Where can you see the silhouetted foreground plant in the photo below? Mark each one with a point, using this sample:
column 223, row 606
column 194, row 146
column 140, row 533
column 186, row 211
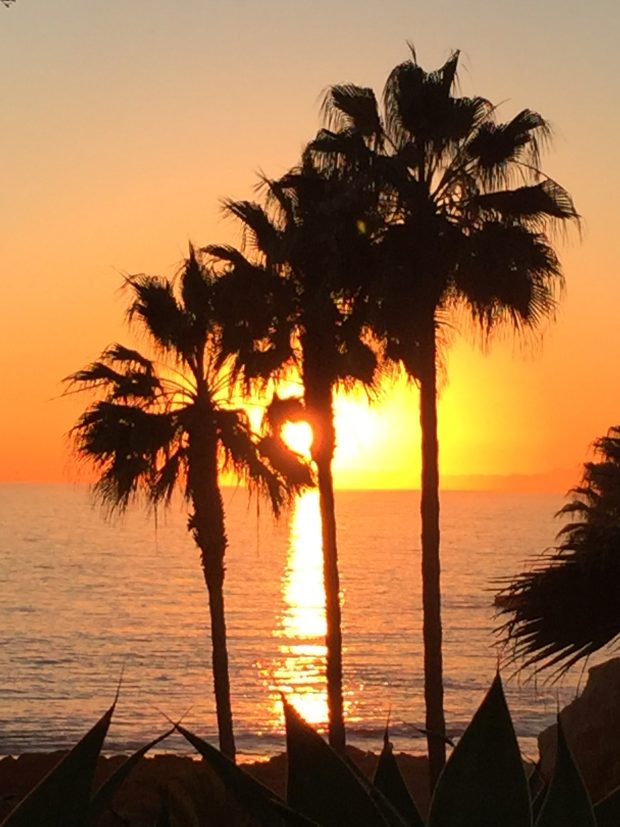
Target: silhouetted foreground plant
column 64, row 797
column 483, row 784
column 569, row 607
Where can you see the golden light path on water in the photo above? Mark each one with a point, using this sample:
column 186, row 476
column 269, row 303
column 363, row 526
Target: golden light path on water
column 299, row 671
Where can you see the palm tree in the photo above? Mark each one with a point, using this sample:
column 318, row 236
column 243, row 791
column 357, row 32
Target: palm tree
column 568, row 606
column 467, row 213
column 296, row 306
column 161, row 427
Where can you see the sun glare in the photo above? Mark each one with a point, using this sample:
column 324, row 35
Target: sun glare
column 299, row 671
column 298, row 436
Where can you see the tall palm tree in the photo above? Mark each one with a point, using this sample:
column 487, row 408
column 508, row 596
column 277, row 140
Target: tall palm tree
column 159, row 427
column 296, row 305
column 568, row 606
column 467, row 213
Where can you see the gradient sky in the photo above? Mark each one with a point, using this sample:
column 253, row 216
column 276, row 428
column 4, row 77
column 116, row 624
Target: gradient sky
column 123, row 124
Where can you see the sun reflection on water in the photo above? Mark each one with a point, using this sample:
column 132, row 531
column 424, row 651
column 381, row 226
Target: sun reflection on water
column 299, row 671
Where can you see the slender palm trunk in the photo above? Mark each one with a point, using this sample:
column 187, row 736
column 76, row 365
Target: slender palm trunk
column 431, row 588
column 323, row 453
column 331, row 579
column 221, row 682
column 207, row 524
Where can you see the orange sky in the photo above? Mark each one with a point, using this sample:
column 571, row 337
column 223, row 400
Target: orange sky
column 124, row 124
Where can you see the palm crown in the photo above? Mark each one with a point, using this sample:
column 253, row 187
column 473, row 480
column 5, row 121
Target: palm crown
column 159, row 425
column 466, row 207
column 138, row 435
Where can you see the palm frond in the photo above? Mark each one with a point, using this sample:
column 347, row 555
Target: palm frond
column 568, row 606
column 135, row 380
column 260, row 235
column 508, row 273
column 347, row 106
column 537, row 204
column 341, row 151
column 276, row 474
column 497, row 148
column 282, row 410
column 156, row 307
column 126, row 444
column 226, row 253
column 196, row 288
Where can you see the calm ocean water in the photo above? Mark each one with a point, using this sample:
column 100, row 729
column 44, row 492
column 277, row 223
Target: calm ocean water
column 83, row 599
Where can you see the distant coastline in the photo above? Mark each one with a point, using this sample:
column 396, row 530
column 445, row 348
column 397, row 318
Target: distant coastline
column 548, row 482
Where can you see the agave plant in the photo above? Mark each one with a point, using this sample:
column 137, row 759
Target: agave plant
column 483, row 784
column 65, row 796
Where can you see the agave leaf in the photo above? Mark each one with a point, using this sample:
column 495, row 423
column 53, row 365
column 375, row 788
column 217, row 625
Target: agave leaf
column 538, row 801
column 106, row 792
column 61, row 798
column 484, row 782
column 259, row 801
column 320, row 784
column 567, row 803
column 164, row 818
column 388, row 811
column 389, row 781
column 607, row 810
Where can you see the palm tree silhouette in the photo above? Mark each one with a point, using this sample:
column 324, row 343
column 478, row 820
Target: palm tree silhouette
column 466, row 212
column 296, row 306
column 158, row 428
column 568, row 606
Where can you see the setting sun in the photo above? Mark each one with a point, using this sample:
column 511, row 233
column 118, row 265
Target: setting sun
column 298, row 436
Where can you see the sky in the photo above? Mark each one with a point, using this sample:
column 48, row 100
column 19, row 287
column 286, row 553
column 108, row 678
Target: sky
column 123, row 125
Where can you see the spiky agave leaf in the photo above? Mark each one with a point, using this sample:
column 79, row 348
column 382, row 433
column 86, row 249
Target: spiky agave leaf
column 104, row 795
column 607, row 810
column 389, row 781
column 483, row 782
column 62, row 797
column 260, row 802
column 320, row 783
column 567, row 803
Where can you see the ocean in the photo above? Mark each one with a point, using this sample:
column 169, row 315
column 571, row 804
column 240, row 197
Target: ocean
column 86, row 599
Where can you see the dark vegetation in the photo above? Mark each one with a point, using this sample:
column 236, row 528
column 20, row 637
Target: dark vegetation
column 162, row 426
column 484, row 783
column 465, row 213
column 568, row 606
column 401, row 219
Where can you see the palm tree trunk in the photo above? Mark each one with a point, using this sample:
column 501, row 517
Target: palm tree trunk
column 331, row 579
column 208, row 528
column 319, row 402
column 431, row 588
column 221, row 681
